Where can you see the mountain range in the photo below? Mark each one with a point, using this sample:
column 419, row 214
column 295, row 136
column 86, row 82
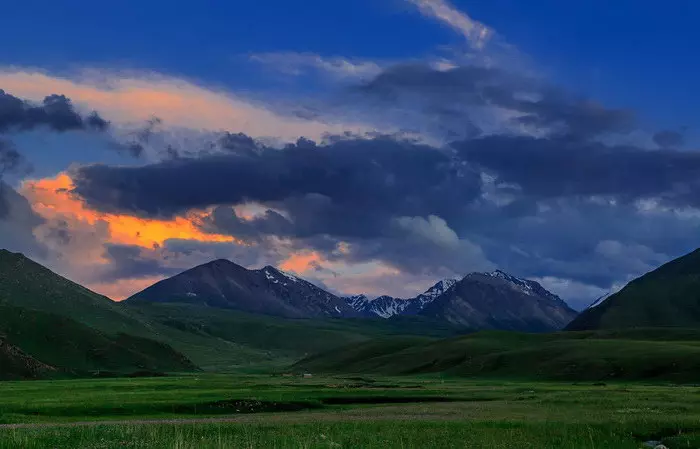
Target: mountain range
column 478, row 301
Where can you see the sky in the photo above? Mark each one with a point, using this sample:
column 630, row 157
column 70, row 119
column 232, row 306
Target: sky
column 371, row 147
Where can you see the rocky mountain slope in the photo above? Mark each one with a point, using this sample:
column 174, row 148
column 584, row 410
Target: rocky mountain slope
column 498, row 300
column 267, row 291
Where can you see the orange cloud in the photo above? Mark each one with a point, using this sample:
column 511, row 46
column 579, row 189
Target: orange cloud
column 130, row 98
column 51, row 198
column 301, row 262
column 122, row 289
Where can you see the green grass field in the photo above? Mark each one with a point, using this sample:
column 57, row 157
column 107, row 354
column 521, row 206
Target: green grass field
column 225, row 411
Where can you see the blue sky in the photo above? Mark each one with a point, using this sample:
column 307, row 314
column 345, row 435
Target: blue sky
column 535, row 162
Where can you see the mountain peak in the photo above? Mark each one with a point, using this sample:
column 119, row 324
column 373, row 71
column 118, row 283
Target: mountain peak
column 439, row 288
column 526, row 286
column 268, row 290
column 499, row 300
column 503, row 275
column 220, row 262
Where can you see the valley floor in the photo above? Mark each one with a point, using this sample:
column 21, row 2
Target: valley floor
column 217, row 411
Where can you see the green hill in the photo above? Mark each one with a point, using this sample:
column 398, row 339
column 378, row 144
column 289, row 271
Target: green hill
column 76, row 348
column 62, row 324
column 666, row 297
column 650, row 354
column 29, row 285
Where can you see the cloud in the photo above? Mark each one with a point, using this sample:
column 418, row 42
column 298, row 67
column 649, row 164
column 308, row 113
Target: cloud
column 134, row 262
column 578, row 295
column 562, row 167
column 52, row 200
column 55, row 112
column 476, row 33
column 18, row 222
column 433, row 229
column 392, row 200
column 669, row 139
column 361, row 175
column 297, row 64
column 122, row 288
column 128, row 98
column 492, row 100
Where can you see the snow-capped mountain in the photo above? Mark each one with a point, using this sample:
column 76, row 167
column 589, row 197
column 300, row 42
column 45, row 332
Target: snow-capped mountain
column 433, row 292
column 479, row 300
column 383, row 306
column 498, row 300
column 525, row 286
column 388, row 306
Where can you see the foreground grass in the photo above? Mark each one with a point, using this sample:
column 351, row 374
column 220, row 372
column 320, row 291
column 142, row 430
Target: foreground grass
column 325, row 435
column 278, row 412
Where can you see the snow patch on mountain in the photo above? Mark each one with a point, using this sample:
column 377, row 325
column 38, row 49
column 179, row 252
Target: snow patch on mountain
column 388, row 306
column 600, row 300
column 525, row 286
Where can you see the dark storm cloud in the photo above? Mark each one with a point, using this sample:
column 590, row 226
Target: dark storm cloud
column 224, row 219
column 449, row 94
column 550, row 168
column 357, row 177
column 669, row 139
column 351, row 187
column 56, row 112
column 17, row 223
column 11, row 162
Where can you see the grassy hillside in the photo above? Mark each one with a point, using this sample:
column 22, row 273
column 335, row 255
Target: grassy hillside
column 29, row 285
column 258, row 341
column 63, row 324
column 639, row 354
column 76, row 348
column 666, row 297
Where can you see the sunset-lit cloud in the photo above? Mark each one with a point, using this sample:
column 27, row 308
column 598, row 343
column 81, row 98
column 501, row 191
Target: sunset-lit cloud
column 301, row 262
column 133, row 98
column 51, row 198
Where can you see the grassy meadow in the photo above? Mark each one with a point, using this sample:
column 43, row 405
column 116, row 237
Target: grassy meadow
column 263, row 411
